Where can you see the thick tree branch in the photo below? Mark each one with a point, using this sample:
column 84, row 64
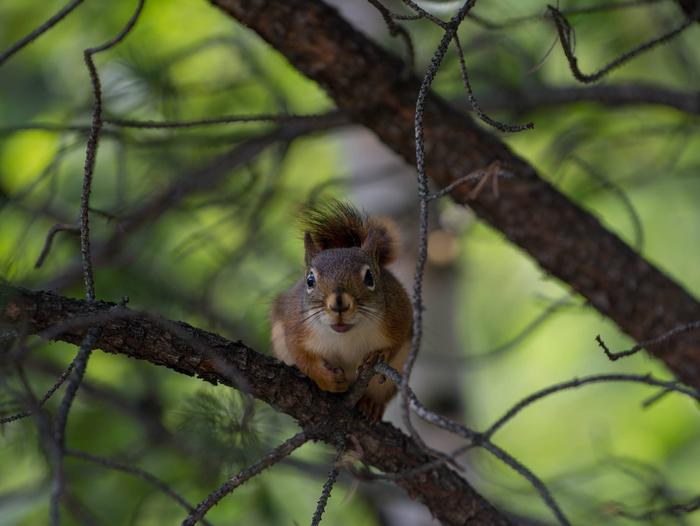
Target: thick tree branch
column 195, row 352
column 366, row 82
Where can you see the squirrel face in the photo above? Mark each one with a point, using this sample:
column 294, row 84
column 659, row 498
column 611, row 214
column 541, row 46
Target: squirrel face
column 343, row 288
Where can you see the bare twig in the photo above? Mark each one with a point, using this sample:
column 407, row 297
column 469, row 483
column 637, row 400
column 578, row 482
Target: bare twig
column 40, row 403
column 479, row 440
column 647, row 379
column 88, row 343
column 268, row 460
column 397, row 30
column 493, row 171
column 424, row 197
column 681, row 329
column 608, row 184
column 327, row 488
column 43, row 28
column 675, row 510
column 528, row 475
column 59, row 437
column 566, row 36
column 583, row 10
column 613, row 95
column 357, row 389
column 228, row 119
column 138, row 472
column 60, row 227
column 475, row 103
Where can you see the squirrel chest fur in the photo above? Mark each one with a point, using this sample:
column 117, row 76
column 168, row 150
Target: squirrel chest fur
column 346, row 307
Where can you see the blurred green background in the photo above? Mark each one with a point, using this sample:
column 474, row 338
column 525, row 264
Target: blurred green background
column 217, row 257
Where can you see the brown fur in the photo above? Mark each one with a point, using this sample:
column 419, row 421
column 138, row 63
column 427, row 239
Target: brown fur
column 341, row 246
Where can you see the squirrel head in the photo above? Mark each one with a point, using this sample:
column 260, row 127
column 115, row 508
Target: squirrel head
column 345, row 252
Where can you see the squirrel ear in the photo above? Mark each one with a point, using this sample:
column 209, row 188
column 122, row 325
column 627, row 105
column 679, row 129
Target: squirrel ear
column 380, row 242
column 310, row 248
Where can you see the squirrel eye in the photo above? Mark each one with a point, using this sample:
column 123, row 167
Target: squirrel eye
column 369, row 279
column 310, row 280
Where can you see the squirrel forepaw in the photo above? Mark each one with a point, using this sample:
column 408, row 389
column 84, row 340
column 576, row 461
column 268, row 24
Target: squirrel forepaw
column 332, row 378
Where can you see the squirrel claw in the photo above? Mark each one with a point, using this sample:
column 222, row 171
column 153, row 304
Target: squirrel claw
column 371, row 409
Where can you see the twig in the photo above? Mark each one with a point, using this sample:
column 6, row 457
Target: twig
column 675, row 510
column 59, row 437
column 138, row 472
column 539, row 486
column 584, row 10
column 357, row 389
column 60, row 227
column 228, row 119
column 472, row 98
column 492, row 171
column 397, row 30
column 613, row 356
column 526, row 331
column 43, row 28
column 88, row 343
column 327, row 488
column 424, row 196
column 422, row 13
column 91, row 149
column 613, row 95
column 647, row 403
column 45, row 398
column 268, row 460
column 566, row 35
column 480, row 440
column 578, row 382
column 606, row 183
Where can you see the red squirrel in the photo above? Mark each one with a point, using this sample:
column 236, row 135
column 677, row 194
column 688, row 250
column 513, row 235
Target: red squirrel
column 347, row 306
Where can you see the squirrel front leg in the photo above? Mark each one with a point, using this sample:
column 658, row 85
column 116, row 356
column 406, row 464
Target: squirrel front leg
column 326, row 376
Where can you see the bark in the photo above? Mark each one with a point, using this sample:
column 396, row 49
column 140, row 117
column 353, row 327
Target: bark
column 195, row 352
column 368, row 84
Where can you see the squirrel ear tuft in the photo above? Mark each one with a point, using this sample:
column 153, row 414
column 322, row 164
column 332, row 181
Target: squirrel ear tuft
column 311, row 248
column 381, row 241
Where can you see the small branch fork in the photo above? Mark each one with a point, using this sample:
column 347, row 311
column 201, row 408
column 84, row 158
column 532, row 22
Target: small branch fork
column 681, row 329
column 566, row 37
column 59, row 430
column 36, row 33
column 483, row 439
column 274, row 456
column 137, row 472
column 491, row 173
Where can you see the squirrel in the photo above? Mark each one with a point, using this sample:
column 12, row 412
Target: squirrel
column 347, row 308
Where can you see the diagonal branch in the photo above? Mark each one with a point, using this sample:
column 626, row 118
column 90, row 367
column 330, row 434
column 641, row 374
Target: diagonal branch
column 187, row 350
column 366, row 82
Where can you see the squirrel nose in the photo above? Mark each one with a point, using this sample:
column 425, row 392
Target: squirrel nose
column 339, row 301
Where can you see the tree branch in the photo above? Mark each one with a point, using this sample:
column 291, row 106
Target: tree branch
column 366, row 82
column 613, row 95
column 195, row 352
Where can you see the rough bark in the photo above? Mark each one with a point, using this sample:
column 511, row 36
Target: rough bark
column 564, row 239
column 195, row 352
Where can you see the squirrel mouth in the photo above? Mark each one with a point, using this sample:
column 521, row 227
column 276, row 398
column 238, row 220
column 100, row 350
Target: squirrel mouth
column 341, row 327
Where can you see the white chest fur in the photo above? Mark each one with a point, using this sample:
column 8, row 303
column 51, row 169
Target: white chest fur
column 346, row 349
